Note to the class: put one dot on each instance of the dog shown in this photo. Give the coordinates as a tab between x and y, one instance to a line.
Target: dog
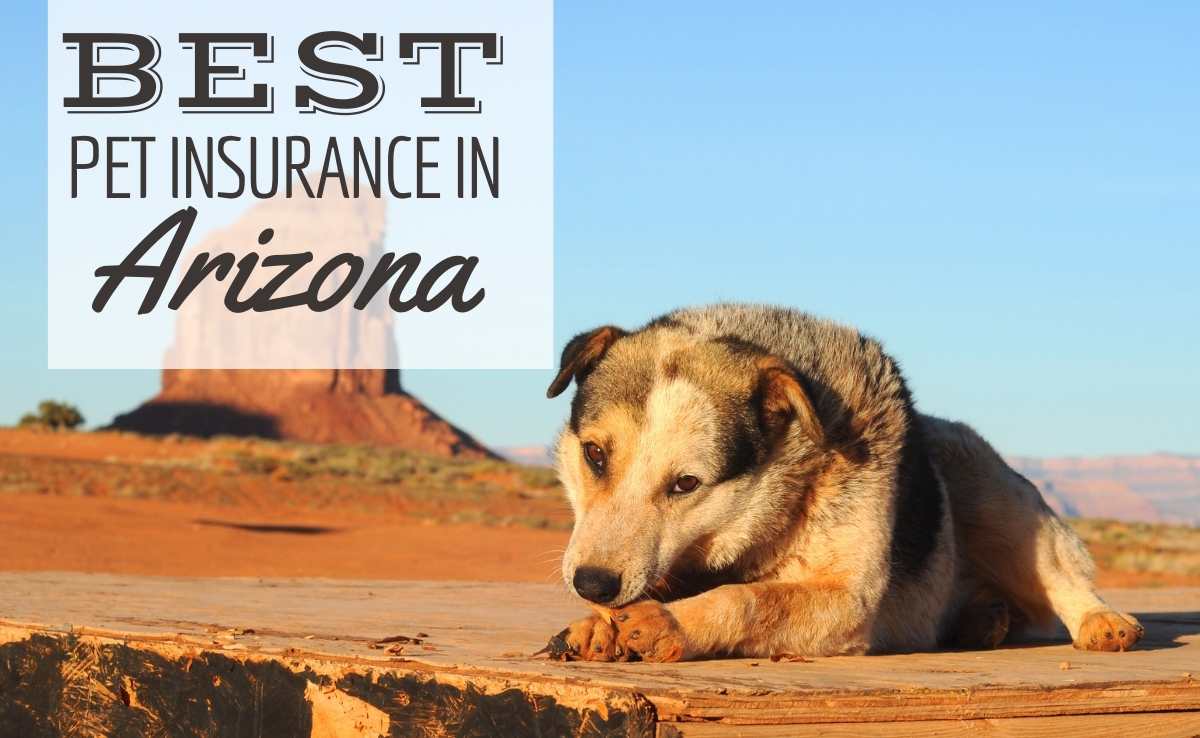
752	481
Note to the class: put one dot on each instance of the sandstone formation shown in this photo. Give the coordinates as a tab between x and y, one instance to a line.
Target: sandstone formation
347	406
354	405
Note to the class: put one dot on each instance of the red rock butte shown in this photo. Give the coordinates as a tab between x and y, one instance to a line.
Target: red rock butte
361	405
317	406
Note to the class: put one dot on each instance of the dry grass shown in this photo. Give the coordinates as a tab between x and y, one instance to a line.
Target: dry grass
256	473
376	465
1143	549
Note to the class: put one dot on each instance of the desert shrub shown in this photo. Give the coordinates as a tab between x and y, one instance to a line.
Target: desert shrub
55	415
250	463
538	477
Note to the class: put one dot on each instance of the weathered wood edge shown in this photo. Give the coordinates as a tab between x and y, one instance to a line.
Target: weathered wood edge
975	703
597	709
53	683
1155	724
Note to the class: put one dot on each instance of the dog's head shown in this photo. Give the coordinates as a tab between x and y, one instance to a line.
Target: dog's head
668	454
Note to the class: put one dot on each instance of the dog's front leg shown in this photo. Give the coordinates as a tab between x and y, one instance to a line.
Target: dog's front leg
756	620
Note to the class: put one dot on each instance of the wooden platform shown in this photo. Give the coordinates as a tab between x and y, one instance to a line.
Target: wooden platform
108	655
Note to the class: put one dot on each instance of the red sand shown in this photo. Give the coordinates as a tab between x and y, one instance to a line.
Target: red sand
41	532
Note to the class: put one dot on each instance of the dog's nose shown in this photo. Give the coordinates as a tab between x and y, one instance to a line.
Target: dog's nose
596	584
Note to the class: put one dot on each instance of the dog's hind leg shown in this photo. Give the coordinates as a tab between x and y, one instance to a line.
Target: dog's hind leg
982	623
1065	572
1009	539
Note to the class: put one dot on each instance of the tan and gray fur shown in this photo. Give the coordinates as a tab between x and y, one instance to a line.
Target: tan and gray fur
828	516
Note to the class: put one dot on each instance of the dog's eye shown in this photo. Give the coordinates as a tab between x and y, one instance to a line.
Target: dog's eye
595	456
685	484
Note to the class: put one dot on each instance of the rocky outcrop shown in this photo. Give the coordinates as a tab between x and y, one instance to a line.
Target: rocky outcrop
315	405
318	407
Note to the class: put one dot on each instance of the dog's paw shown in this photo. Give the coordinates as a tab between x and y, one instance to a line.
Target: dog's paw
589	639
1106	630
649	630
981	625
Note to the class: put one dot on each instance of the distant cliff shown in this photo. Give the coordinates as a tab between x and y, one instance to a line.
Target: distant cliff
1150	488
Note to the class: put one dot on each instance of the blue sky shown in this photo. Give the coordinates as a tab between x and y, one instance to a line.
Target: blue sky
1008	197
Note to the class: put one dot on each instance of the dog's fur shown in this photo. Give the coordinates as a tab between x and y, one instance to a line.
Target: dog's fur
831	517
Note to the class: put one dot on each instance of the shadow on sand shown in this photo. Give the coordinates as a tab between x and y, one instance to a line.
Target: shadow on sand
301	530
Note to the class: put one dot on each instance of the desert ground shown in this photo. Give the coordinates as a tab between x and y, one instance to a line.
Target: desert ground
128	504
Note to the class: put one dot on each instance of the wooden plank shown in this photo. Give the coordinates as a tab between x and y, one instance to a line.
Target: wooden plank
1155	724
480	636
69	685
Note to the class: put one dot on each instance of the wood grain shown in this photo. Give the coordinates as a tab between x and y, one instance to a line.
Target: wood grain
482	635
1151	725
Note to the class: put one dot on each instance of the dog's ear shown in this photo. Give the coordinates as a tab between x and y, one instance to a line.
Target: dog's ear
581	355
783	398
